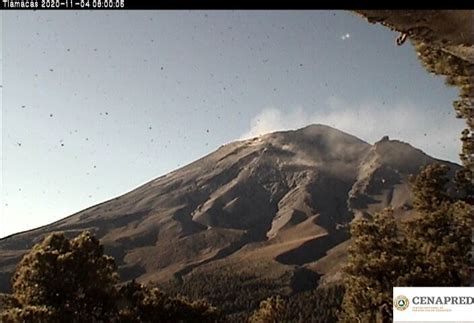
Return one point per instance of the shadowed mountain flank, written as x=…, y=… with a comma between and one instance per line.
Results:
x=272, y=207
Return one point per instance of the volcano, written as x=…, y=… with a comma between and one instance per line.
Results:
x=273, y=208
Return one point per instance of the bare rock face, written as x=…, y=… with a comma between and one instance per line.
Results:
x=274, y=206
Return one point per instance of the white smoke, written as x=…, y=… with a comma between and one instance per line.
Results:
x=436, y=135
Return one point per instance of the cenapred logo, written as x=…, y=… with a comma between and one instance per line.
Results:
x=433, y=304
x=401, y=302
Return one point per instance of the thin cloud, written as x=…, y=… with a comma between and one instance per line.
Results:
x=370, y=121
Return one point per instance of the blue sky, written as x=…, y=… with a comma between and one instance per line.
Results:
x=97, y=103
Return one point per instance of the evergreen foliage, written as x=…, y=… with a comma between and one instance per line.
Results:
x=271, y=310
x=62, y=280
x=432, y=249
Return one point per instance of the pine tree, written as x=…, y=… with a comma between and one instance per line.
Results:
x=140, y=303
x=439, y=237
x=429, y=188
x=71, y=277
x=271, y=310
x=62, y=280
x=376, y=258
x=432, y=249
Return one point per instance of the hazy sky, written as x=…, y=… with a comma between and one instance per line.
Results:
x=97, y=103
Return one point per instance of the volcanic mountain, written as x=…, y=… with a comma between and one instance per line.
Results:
x=272, y=208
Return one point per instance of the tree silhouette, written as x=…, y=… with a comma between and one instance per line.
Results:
x=62, y=280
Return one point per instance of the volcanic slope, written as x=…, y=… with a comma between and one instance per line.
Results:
x=275, y=207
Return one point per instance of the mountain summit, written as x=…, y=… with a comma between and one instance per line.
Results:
x=273, y=207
